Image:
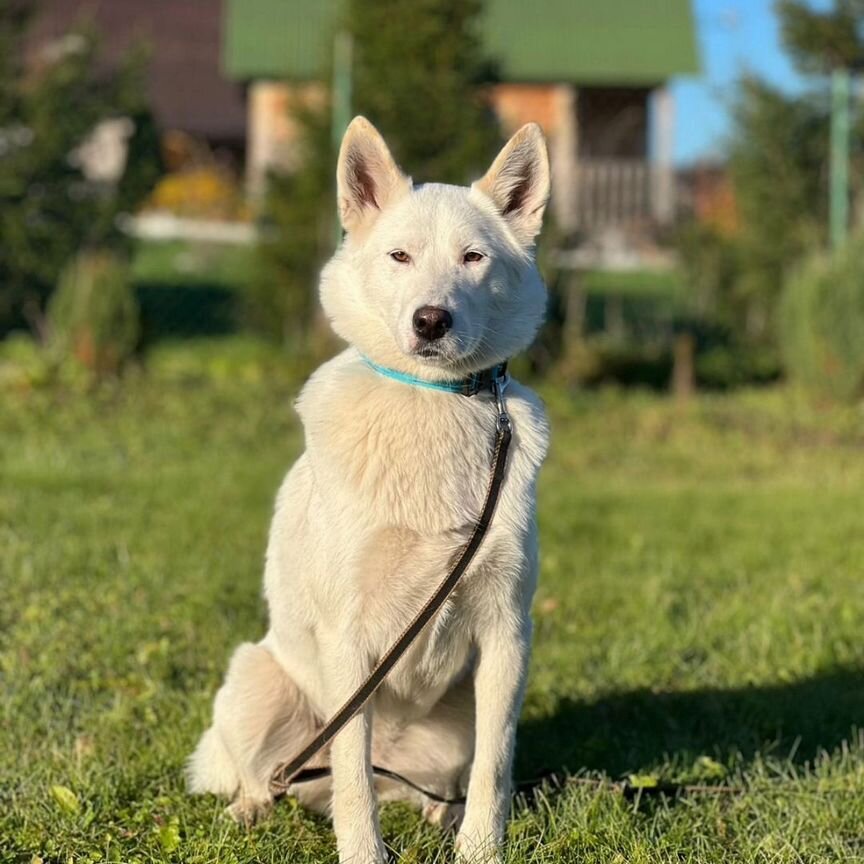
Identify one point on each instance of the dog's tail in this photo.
(210, 768)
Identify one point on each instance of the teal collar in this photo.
(470, 386)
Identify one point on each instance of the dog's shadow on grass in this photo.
(641, 729)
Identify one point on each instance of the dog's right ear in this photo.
(367, 178)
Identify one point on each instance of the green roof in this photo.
(583, 41)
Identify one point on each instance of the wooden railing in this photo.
(609, 193)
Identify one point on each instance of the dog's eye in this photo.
(400, 256)
(473, 257)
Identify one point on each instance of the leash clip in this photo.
(499, 385)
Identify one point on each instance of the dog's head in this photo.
(434, 279)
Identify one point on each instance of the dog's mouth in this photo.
(446, 353)
(451, 352)
(429, 352)
(435, 354)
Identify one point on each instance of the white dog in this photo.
(431, 284)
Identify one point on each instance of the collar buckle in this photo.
(500, 381)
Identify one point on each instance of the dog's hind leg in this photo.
(435, 752)
(259, 716)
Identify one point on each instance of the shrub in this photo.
(240, 359)
(23, 364)
(199, 193)
(93, 315)
(710, 264)
(733, 364)
(822, 322)
(48, 207)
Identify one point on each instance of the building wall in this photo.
(271, 130)
(185, 87)
(516, 104)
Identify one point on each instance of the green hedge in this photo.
(822, 322)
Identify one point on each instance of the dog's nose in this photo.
(432, 322)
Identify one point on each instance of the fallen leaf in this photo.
(550, 604)
(169, 835)
(66, 799)
(643, 781)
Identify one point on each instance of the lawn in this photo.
(699, 621)
(189, 289)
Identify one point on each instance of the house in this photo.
(186, 88)
(593, 74)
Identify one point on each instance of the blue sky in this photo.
(734, 36)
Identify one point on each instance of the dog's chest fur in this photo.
(398, 477)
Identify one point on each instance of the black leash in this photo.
(291, 772)
(307, 775)
(526, 791)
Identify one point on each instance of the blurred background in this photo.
(166, 173)
(166, 202)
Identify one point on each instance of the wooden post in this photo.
(839, 210)
(574, 313)
(684, 366)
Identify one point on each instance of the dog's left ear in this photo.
(367, 177)
(518, 182)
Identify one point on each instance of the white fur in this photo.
(371, 515)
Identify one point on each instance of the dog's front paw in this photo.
(371, 851)
(447, 817)
(247, 811)
(477, 847)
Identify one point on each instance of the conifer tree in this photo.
(419, 73)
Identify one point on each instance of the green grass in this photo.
(663, 285)
(181, 264)
(190, 290)
(699, 620)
